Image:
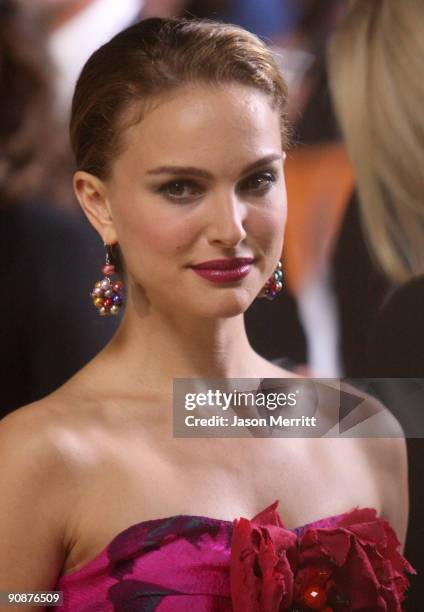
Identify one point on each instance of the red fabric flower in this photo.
(262, 553)
(357, 560)
(363, 553)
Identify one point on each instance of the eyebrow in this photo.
(193, 171)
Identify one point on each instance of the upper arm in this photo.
(384, 438)
(385, 445)
(396, 494)
(32, 504)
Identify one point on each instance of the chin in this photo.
(227, 305)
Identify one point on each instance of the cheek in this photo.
(156, 235)
(267, 223)
(171, 235)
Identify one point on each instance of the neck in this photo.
(157, 347)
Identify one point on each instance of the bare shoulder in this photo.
(387, 458)
(46, 428)
(50, 437)
(373, 443)
(381, 441)
(34, 428)
(41, 446)
(40, 472)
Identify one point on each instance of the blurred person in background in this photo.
(75, 28)
(48, 257)
(376, 61)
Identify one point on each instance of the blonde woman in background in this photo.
(376, 60)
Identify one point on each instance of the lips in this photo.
(224, 264)
(224, 270)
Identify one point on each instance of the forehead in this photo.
(213, 126)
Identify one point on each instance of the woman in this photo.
(179, 133)
(375, 62)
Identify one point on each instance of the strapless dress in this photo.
(347, 562)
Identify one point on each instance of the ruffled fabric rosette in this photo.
(354, 565)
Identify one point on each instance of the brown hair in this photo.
(156, 56)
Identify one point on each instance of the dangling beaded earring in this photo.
(107, 294)
(274, 283)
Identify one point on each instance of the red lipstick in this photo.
(224, 270)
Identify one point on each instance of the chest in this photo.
(219, 478)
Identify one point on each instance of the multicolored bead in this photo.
(105, 284)
(107, 301)
(273, 284)
(108, 270)
(107, 294)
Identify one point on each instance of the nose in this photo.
(226, 221)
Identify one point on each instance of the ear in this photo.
(92, 196)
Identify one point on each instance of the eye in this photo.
(259, 182)
(181, 190)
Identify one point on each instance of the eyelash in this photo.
(269, 175)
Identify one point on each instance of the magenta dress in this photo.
(348, 562)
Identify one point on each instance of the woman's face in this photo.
(200, 178)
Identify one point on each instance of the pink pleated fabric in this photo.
(183, 563)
